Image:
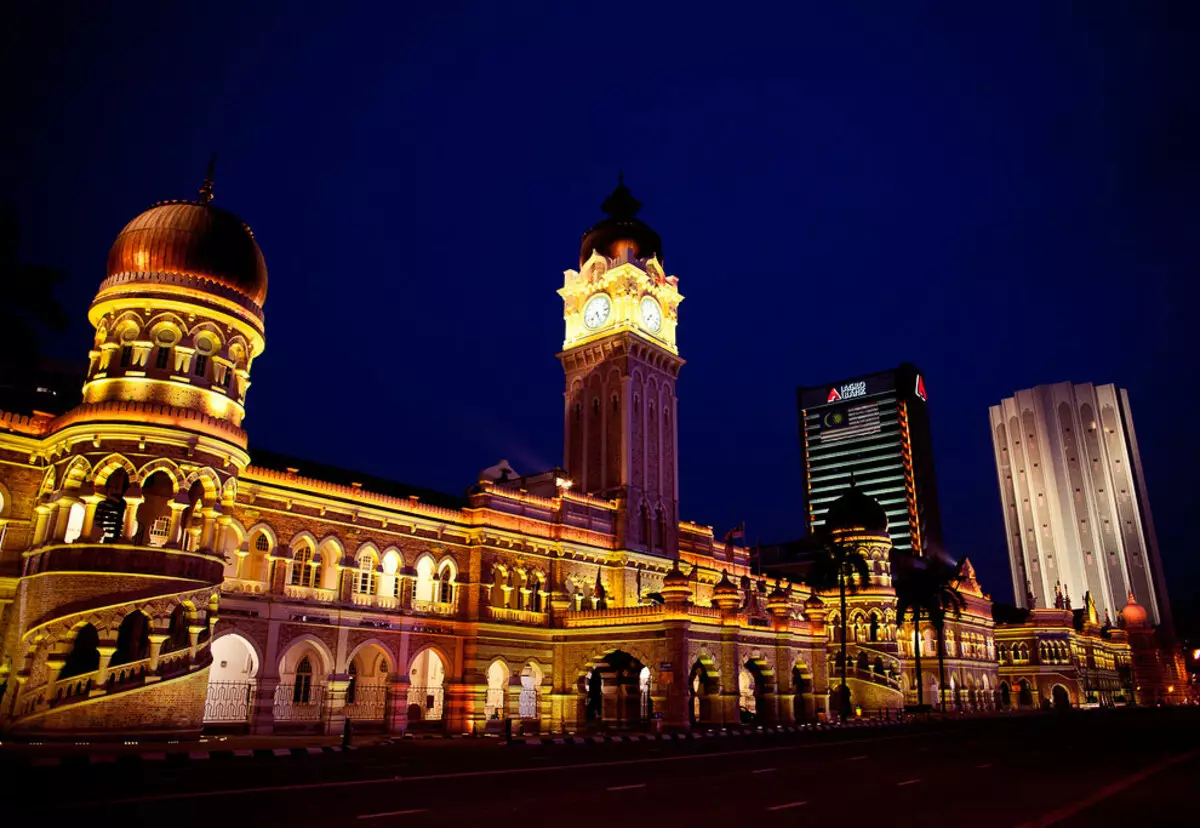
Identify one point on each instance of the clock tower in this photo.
(621, 365)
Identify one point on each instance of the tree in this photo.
(943, 584)
(914, 594)
(840, 566)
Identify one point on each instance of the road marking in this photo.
(786, 805)
(626, 787)
(764, 770)
(1108, 790)
(855, 758)
(907, 782)
(984, 765)
(392, 813)
(353, 783)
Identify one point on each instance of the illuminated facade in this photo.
(1075, 507)
(873, 430)
(157, 578)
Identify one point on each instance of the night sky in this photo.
(1004, 196)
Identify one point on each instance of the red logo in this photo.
(834, 396)
(921, 387)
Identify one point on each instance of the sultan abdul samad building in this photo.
(157, 576)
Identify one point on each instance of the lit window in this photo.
(201, 364)
(162, 357)
(126, 355)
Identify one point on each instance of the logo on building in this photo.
(920, 390)
(848, 391)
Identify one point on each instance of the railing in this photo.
(428, 702)
(130, 672)
(433, 607)
(246, 586)
(79, 686)
(303, 593)
(615, 615)
(229, 701)
(366, 702)
(516, 616)
(299, 703)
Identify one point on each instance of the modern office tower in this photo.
(873, 428)
(1074, 497)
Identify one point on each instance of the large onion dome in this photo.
(856, 511)
(622, 231)
(1134, 614)
(191, 239)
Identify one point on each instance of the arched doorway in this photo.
(616, 691)
(703, 685)
(753, 681)
(531, 688)
(426, 690)
(300, 696)
(231, 681)
(1005, 696)
(1025, 694)
(802, 701)
(495, 704)
(370, 669)
(1062, 699)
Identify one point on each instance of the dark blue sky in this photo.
(1006, 196)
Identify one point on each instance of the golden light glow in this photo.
(626, 285)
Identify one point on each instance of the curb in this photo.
(80, 760)
(777, 730)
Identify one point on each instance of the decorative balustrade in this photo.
(299, 702)
(366, 702)
(245, 586)
(229, 702)
(516, 616)
(425, 703)
(303, 593)
(434, 607)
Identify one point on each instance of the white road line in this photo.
(907, 782)
(626, 787)
(855, 758)
(392, 813)
(764, 770)
(984, 765)
(786, 805)
(354, 783)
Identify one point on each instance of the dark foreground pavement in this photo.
(1082, 768)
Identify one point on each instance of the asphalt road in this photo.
(1129, 767)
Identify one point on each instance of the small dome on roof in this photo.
(725, 586)
(499, 473)
(1134, 614)
(675, 577)
(814, 602)
(622, 231)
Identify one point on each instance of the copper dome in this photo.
(621, 231)
(856, 511)
(193, 239)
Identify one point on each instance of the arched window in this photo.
(535, 595)
(424, 587)
(262, 543)
(74, 523)
(177, 631)
(445, 583)
(364, 581)
(304, 570)
(302, 690)
(874, 628)
(133, 639)
(85, 654)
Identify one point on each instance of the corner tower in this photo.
(132, 530)
(621, 362)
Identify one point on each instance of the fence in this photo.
(529, 704)
(229, 702)
(299, 702)
(367, 702)
(495, 702)
(428, 701)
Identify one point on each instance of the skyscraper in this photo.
(1074, 498)
(876, 429)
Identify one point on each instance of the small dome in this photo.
(1134, 614)
(502, 472)
(814, 602)
(856, 511)
(191, 238)
(725, 586)
(675, 577)
(621, 231)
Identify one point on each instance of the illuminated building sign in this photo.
(847, 391)
(920, 389)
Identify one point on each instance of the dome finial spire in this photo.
(206, 189)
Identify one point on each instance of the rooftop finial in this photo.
(206, 189)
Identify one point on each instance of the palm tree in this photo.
(943, 586)
(843, 567)
(915, 595)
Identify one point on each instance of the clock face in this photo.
(651, 314)
(596, 311)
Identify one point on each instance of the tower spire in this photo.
(206, 189)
